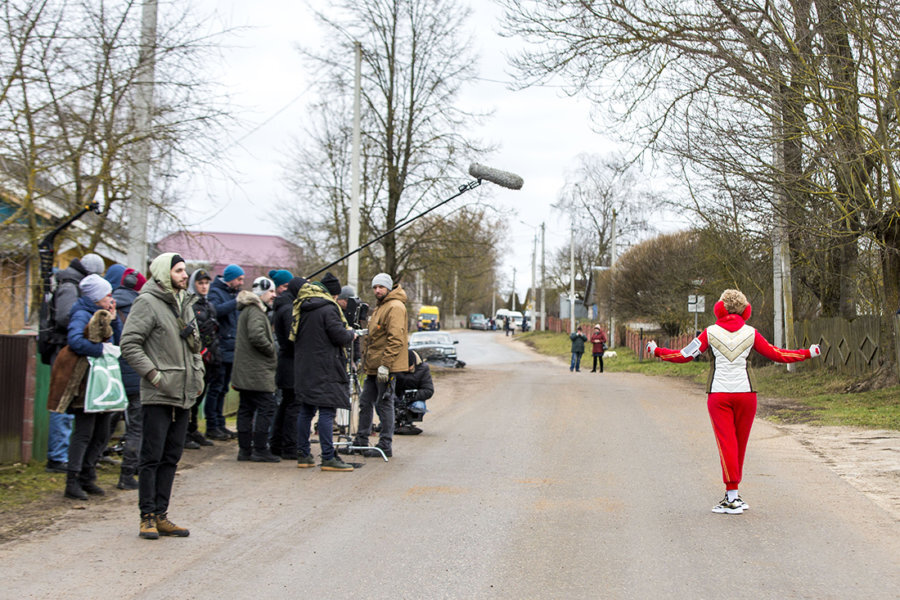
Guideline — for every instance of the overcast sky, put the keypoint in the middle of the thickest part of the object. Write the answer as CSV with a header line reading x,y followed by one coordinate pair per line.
x,y
539,132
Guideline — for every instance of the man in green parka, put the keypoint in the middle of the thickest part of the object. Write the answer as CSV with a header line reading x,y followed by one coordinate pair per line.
x,y
161,342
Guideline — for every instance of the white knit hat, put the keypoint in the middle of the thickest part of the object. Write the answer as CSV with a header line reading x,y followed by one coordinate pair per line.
x,y
383,279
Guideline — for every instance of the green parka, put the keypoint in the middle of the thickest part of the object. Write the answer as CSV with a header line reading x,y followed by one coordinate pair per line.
x,y
255,359
152,341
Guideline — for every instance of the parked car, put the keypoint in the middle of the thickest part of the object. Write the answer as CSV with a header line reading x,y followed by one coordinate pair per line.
x,y
436,347
478,321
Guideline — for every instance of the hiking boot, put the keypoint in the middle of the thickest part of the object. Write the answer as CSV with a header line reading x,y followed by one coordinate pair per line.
x,y
73,488
733,507
57,466
190,444
264,456
127,482
305,461
200,438
148,527
217,434
92,488
336,464
167,527
244,454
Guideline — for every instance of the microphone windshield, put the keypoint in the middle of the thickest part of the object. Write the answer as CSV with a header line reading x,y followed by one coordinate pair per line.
x,y
501,178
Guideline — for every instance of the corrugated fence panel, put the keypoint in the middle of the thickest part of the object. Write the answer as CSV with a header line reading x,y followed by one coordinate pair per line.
x,y
16,397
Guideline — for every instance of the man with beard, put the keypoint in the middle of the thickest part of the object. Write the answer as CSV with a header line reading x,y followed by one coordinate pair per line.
x,y
161,342
384,357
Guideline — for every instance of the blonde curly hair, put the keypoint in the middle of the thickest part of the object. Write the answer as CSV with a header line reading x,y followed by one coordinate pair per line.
x,y
734,300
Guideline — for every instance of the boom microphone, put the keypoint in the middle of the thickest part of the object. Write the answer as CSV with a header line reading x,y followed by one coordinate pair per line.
x,y
501,178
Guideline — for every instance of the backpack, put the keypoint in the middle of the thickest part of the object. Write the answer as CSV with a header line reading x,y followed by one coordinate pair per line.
x,y
52,332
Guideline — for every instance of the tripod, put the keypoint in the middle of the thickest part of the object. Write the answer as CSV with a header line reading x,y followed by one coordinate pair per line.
x,y
347,433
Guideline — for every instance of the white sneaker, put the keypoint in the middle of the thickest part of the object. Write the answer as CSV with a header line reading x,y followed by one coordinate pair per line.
x,y
743,504
734,507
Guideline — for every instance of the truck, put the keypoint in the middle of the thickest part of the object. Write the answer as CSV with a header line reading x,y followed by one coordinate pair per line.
x,y
429,318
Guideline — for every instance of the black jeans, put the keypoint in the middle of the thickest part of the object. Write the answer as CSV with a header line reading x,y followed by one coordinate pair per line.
x,y
161,447
284,430
598,358
380,397
255,413
215,397
90,434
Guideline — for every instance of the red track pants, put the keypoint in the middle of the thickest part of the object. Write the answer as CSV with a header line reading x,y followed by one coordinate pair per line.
x,y
732,417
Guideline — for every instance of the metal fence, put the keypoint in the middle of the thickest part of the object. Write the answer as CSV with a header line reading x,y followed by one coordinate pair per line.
x,y
17,382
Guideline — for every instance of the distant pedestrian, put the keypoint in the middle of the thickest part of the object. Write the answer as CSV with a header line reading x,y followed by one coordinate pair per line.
x,y
578,339
731,398
162,343
208,328
598,343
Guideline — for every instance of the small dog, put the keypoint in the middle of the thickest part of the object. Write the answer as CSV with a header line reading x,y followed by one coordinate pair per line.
x,y
610,354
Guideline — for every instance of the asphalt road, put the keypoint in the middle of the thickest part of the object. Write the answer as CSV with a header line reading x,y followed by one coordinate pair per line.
x,y
528,482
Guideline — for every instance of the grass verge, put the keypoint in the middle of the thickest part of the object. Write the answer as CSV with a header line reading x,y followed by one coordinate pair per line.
x,y
817,397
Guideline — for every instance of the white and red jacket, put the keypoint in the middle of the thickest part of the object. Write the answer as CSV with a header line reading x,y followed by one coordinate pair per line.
x,y
730,340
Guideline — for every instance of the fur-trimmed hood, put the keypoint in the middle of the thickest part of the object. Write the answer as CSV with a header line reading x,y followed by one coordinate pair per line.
x,y
247,298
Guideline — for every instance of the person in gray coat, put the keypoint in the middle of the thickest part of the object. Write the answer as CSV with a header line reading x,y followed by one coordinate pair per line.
x,y
161,343
253,375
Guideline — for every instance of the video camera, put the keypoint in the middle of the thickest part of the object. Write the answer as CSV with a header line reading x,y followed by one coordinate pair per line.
x,y
357,313
408,410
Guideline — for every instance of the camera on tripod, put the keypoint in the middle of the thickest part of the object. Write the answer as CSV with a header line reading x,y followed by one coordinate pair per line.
x,y
357,313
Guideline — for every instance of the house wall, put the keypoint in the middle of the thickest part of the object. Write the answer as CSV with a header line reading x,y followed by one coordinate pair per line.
x,y
14,295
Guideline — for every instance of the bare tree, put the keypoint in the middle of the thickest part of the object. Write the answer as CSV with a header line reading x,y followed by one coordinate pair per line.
x,y
66,107
414,62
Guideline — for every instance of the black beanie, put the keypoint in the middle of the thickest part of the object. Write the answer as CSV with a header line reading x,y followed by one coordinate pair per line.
x,y
176,258
332,284
294,285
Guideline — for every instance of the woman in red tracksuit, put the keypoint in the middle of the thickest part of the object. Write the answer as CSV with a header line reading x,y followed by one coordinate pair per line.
x,y
732,400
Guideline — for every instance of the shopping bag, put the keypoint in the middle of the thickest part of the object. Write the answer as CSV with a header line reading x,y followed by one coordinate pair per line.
x,y
104,391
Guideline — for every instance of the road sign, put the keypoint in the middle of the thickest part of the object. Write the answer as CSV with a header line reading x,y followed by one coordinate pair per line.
x,y
696,304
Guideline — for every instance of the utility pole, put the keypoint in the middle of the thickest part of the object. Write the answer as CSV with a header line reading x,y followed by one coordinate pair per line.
x,y
455,283
140,167
572,276
513,299
353,234
543,285
612,265
533,283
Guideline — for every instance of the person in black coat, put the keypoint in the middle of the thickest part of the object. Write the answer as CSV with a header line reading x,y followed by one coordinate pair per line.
x,y
283,441
321,382
208,328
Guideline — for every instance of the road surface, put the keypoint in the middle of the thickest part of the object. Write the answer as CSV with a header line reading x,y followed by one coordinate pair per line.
x,y
528,482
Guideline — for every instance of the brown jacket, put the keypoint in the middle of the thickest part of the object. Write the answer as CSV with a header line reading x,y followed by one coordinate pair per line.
x,y
67,376
387,340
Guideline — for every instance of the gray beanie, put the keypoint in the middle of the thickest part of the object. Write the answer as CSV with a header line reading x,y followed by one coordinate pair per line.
x,y
346,292
92,263
94,288
383,279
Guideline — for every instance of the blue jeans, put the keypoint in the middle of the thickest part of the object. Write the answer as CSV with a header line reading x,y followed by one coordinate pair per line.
x,y
326,429
576,361
58,434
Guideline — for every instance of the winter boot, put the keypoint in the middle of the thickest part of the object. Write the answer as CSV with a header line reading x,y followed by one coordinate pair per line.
x,y
148,527
167,527
244,441
88,481
73,488
261,451
127,480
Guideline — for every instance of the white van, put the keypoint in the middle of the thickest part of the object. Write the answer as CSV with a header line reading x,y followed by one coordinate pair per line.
x,y
515,315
